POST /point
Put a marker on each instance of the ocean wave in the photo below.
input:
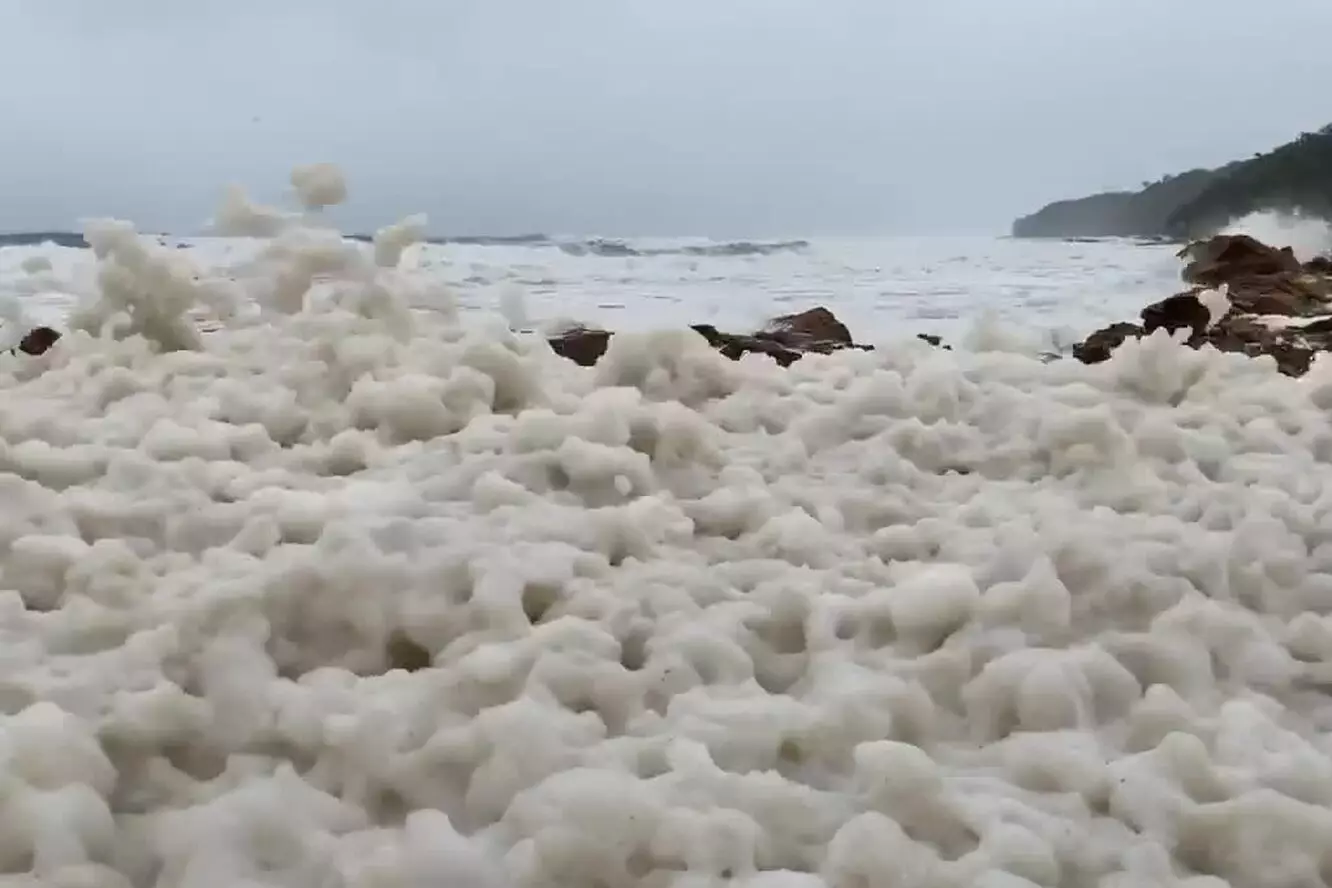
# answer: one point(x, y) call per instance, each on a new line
point(477, 240)
point(608, 247)
point(40, 238)
point(621, 249)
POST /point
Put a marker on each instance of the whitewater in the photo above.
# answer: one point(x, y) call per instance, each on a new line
point(318, 568)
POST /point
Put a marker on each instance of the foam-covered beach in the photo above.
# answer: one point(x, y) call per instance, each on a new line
point(344, 592)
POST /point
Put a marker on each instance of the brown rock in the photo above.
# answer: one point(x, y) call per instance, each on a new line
point(1291, 359)
point(1315, 284)
point(814, 330)
point(734, 346)
point(1286, 294)
point(581, 345)
point(1098, 346)
point(1276, 302)
point(1181, 311)
point(784, 339)
point(1259, 280)
point(1227, 257)
point(38, 340)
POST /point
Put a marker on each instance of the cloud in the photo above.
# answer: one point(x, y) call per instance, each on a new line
point(635, 116)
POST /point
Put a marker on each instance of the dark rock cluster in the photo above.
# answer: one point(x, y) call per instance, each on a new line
point(1278, 306)
point(785, 339)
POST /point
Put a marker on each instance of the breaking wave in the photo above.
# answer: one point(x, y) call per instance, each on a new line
point(575, 247)
point(620, 248)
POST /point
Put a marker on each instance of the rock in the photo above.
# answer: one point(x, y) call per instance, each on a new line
point(1098, 346)
point(1228, 257)
point(1319, 265)
point(403, 653)
point(38, 340)
point(1274, 302)
point(581, 345)
point(735, 346)
point(814, 330)
point(1278, 307)
point(935, 341)
point(1300, 294)
point(1183, 310)
point(785, 339)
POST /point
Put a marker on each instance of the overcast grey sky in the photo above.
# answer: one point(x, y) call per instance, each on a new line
point(722, 117)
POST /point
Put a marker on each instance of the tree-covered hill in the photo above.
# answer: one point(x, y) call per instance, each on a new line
point(1293, 176)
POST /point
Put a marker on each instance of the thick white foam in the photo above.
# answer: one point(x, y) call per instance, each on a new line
point(900, 618)
point(319, 185)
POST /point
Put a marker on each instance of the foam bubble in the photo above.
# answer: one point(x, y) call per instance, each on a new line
point(238, 216)
point(391, 241)
point(319, 185)
point(351, 593)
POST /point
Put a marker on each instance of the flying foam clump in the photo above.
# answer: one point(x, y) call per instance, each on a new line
point(391, 241)
point(238, 216)
point(319, 185)
point(143, 289)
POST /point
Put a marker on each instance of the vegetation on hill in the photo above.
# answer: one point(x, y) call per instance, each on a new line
point(1296, 176)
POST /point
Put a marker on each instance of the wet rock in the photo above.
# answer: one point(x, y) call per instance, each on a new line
point(1319, 265)
point(735, 346)
point(785, 339)
point(1098, 346)
point(1274, 302)
point(1278, 307)
point(38, 340)
point(935, 341)
point(1301, 294)
point(1228, 257)
point(814, 330)
point(581, 345)
point(1178, 312)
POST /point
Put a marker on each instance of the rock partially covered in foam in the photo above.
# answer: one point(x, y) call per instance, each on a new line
point(1247, 297)
point(582, 345)
point(38, 340)
point(785, 339)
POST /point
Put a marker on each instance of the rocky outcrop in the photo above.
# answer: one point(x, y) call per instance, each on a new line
point(1246, 297)
point(785, 339)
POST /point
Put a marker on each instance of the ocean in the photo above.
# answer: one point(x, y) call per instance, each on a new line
point(878, 286)
point(318, 568)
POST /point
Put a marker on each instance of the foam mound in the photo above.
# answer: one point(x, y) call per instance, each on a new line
point(344, 594)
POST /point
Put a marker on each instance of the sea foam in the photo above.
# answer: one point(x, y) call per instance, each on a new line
point(348, 594)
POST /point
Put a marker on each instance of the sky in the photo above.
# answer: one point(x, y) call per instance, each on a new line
point(638, 117)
